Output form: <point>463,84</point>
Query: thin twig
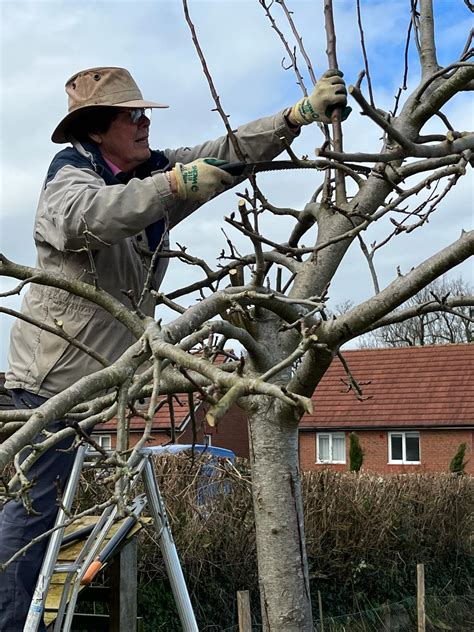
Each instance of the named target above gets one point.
<point>352,384</point>
<point>364,53</point>
<point>153,263</point>
<point>260,267</point>
<point>405,71</point>
<point>370,261</point>
<point>57,331</point>
<point>18,288</point>
<point>299,39</point>
<point>291,54</point>
<point>225,118</point>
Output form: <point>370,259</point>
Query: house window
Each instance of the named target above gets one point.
<point>208,440</point>
<point>403,447</point>
<point>105,441</point>
<point>331,447</point>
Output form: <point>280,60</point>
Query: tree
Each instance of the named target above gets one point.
<point>275,303</point>
<point>458,463</point>
<point>446,326</point>
<point>356,454</point>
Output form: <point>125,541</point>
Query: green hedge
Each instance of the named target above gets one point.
<point>365,534</point>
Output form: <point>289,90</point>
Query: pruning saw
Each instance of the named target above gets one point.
<point>245,169</point>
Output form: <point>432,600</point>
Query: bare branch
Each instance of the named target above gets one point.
<point>381,121</point>
<point>427,164</point>
<point>467,51</point>
<point>100,297</point>
<point>219,378</point>
<point>291,54</point>
<point>230,331</point>
<point>62,403</point>
<point>57,331</point>
<point>17,289</point>
<point>360,318</point>
<point>429,63</point>
<point>341,196</point>
<point>215,96</point>
<point>370,260</point>
<point>469,5</point>
<point>352,383</point>
<point>418,151</point>
<point>405,72</point>
<point>448,305</point>
<point>260,267</point>
<point>154,260</point>
<point>440,73</point>
<point>163,299</point>
<point>364,53</point>
<point>299,39</point>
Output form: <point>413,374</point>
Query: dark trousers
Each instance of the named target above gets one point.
<point>18,527</point>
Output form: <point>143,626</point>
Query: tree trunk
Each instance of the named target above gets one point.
<point>282,562</point>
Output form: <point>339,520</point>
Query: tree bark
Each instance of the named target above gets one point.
<point>282,562</point>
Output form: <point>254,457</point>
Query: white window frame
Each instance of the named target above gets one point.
<point>208,440</point>
<point>403,460</point>
<point>331,435</point>
<point>103,438</point>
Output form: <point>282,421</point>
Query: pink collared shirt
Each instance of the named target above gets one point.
<point>113,168</point>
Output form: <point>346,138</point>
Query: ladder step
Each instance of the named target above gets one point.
<point>65,568</point>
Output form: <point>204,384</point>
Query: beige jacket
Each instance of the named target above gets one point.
<point>80,192</point>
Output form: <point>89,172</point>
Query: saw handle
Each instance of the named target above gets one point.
<point>91,572</point>
<point>235,168</point>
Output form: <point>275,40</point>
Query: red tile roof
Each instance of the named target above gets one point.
<point>410,386</point>
<point>162,419</point>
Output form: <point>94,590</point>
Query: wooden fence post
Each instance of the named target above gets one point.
<point>320,605</point>
<point>243,611</point>
<point>123,589</point>
<point>420,596</point>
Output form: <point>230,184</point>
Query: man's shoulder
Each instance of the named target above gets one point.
<point>68,156</point>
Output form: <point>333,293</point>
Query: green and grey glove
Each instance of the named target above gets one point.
<point>329,93</point>
<point>201,179</point>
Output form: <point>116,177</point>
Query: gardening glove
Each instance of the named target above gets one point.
<point>201,179</point>
<point>329,93</point>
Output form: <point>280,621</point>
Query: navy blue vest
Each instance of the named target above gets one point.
<point>157,161</point>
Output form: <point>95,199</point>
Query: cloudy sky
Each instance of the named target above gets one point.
<point>45,42</point>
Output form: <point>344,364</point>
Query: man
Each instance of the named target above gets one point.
<point>110,198</point>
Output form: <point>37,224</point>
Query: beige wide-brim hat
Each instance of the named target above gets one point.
<point>99,87</point>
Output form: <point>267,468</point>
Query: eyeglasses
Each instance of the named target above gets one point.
<point>137,113</point>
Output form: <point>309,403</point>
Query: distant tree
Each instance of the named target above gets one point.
<point>446,326</point>
<point>356,454</point>
<point>458,463</point>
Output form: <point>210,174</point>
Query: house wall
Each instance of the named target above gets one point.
<point>437,448</point>
<point>157,438</point>
<point>231,431</point>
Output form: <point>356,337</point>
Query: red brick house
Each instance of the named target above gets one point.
<point>417,408</point>
<point>175,413</point>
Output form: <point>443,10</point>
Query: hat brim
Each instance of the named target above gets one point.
<point>59,135</point>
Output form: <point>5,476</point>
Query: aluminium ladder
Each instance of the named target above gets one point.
<point>76,571</point>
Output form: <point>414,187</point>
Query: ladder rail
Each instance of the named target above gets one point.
<point>168,549</point>
<point>91,547</point>
<point>81,571</point>
<point>63,604</point>
<point>144,470</point>
<point>36,609</point>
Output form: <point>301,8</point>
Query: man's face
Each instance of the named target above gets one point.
<point>125,143</point>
